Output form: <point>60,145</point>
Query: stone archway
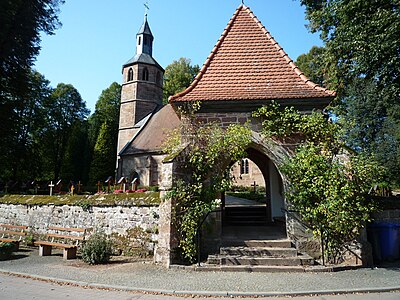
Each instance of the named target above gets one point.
<point>265,220</point>
<point>267,154</point>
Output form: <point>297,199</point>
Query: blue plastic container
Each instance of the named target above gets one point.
<point>389,241</point>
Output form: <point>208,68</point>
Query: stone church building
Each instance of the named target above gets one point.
<point>246,69</point>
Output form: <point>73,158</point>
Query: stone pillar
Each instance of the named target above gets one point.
<point>163,249</point>
<point>167,239</point>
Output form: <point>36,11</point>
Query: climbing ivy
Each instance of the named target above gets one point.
<point>313,127</point>
<point>204,152</point>
<point>328,184</point>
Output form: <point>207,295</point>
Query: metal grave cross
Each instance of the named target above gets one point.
<point>254,185</point>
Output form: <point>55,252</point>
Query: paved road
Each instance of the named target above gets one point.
<point>128,274</point>
<point>17,288</point>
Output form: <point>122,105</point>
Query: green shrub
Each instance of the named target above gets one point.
<point>5,250</point>
<point>97,249</point>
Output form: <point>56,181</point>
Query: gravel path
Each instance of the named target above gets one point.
<point>146,276</point>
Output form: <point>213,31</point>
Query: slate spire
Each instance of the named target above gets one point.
<point>144,39</point>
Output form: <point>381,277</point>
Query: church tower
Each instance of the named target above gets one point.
<point>141,88</point>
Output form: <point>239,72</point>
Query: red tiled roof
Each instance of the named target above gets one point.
<point>248,64</point>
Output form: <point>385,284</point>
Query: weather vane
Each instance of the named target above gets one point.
<point>147,8</point>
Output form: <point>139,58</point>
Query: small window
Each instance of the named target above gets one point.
<point>145,40</point>
<point>244,166</point>
<point>140,40</point>
<point>130,74</point>
<point>145,74</point>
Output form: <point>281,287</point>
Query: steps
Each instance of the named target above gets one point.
<point>245,216</point>
<point>240,254</point>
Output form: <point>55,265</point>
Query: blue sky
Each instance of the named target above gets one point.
<point>98,36</point>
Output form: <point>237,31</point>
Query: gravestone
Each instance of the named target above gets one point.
<point>57,188</point>
<point>109,181</point>
<point>122,182</point>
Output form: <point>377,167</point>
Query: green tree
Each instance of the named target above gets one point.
<point>21,23</point>
<point>362,39</point>
<point>104,155</point>
<point>64,108</point>
<point>75,163</point>
<point>312,64</point>
<point>105,117</point>
<point>368,127</point>
<point>106,109</point>
<point>360,60</point>
<point>178,76</point>
<point>20,158</point>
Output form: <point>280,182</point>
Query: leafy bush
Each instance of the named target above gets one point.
<point>5,250</point>
<point>329,183</point>
<point>97,249</point>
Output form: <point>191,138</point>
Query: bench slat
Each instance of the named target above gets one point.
<point>13,232</point>
<point>81,238</point>
<point>5,240</point>
<point>67,229</point>
<point>57,245</point>
<point>13,226</point>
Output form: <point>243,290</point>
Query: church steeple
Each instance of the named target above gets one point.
<point>142,86</point>
<point>144,39</point>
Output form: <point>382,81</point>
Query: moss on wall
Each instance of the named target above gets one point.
<point>123,199</point>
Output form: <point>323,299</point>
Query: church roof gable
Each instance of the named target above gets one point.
<point>153,132</point>
<point>248,64</point>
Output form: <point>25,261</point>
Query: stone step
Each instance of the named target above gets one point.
<point>284,243</point>
<point>232,260</point>
<point>246,222</point>
<point>253,212</point>
<point>245,216</point>
<point>266,269</point>
<point>259,251</point>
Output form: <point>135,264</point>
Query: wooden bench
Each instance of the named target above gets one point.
<point>12,234</point>
<point>67,239</point>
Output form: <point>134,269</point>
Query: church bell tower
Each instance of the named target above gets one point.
<point>141,87</point>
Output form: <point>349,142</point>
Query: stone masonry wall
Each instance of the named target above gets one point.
<point>224,118</point>
<point>116,219</point>
<point>391,216</point>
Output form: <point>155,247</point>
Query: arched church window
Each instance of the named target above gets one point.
<point>145,74</point>
<point>244,166</point>
<point>140,40</point>
<point>130,74</point>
